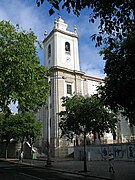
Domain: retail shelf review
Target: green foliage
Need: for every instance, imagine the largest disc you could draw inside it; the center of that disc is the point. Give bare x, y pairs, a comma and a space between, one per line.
85, 115
21, 76
27, 126
2, 116
119, 91
7, 126
116, 17
20, 127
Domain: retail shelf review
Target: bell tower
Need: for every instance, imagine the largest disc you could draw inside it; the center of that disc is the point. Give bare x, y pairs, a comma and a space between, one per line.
61, 47
61, 57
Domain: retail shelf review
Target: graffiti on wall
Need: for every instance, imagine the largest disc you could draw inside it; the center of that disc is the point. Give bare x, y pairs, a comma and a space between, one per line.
131, 151
101, 152
104, 152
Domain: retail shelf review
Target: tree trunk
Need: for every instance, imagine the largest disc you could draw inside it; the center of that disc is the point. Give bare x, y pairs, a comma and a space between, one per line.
6, 151
85, 158
22, 142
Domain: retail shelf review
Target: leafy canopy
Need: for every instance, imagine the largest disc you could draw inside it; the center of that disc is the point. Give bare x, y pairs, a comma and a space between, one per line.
116, 17
21, 76
20, 127
118, 90
85, 115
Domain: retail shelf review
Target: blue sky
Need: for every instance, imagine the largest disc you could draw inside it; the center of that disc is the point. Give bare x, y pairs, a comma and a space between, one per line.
28, 15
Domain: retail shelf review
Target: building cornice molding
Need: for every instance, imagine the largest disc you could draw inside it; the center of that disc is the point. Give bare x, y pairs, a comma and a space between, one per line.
56, 68
72, 34
77, 73
93, 78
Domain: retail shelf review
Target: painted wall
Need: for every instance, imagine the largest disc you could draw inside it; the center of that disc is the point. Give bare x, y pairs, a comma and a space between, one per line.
101, 152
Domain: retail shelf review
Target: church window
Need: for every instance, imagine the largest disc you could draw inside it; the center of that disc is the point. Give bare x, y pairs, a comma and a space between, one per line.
67, 47
49, 50
69, 89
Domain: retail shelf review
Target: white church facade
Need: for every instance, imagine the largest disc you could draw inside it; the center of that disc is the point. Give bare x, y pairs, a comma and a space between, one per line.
61, 57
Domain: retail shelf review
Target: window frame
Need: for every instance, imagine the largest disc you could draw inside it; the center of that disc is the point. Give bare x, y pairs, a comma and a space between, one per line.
67, 46
69, 89
49, 50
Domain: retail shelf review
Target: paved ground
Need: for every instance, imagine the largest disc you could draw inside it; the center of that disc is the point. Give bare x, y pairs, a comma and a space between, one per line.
124, 170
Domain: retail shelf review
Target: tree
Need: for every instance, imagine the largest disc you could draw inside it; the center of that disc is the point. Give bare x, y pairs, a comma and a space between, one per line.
27, 127
22, 79
1, 123
7, 130
20, 127
118, 90
83, 115
116, 21
116, 17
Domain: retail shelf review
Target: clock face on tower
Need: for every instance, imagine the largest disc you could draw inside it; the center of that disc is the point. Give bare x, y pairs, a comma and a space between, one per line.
68, 59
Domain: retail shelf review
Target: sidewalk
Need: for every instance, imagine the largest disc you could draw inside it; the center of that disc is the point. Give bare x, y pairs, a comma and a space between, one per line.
124, 170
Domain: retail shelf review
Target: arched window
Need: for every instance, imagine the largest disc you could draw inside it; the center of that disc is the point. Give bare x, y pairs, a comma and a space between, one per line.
49, 50
67, 47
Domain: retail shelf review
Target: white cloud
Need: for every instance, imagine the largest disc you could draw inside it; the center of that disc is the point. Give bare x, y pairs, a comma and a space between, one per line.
92, 71
91, 62
26, 15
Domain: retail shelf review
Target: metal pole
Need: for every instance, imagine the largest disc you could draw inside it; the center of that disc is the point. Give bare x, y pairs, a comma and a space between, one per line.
48, 162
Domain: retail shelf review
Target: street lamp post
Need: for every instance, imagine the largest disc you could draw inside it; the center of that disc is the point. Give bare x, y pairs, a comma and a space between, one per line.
48, 162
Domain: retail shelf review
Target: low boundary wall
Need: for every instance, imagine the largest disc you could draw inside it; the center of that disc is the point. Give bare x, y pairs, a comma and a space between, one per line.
101, 152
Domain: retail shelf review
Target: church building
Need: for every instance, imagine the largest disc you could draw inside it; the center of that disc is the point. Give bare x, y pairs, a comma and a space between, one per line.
61, 57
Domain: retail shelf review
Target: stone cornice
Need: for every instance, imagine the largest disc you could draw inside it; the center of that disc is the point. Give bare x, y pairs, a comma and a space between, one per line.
74, 72
60, 31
